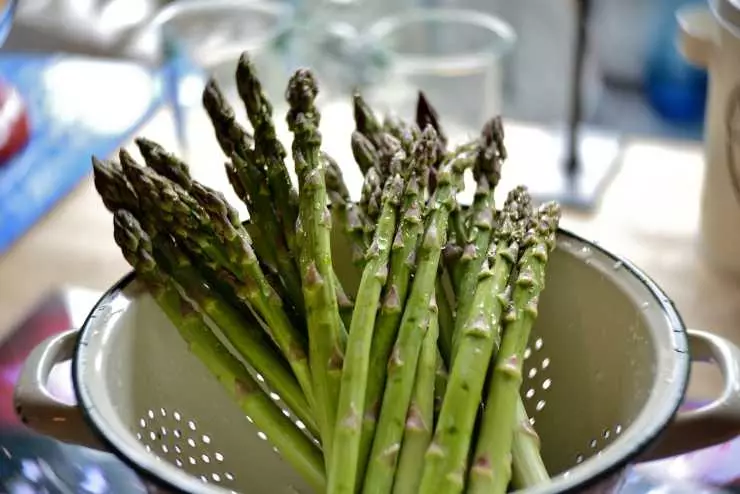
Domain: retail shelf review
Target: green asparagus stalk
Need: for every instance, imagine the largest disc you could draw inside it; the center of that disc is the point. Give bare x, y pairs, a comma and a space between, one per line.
405, 132
164, 163
246, 178
420, 417
493, 450
487, 173
364, 151
426, 115
269, 229
343, 465
268, 148
366, 122
440, 385
345, 213
326, 345
528, 469
446, 459
297, 449
446, 317
402, 263
115, 191
246, 339
235, 252
252, 183
402, 365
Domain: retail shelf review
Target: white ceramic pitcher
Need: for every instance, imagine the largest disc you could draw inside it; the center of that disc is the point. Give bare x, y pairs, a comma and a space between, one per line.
710, 37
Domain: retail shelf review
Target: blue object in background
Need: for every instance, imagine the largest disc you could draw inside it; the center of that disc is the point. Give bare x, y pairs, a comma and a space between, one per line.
676, 90
78, 107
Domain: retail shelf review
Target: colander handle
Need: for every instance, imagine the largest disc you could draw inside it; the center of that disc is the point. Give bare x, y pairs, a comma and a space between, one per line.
41, 410
716, 422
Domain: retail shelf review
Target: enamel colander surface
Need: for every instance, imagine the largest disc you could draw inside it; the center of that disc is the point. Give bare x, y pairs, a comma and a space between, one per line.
605, 371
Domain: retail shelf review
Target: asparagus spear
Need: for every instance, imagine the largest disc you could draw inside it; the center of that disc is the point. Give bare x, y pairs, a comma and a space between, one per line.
268, 148
487, 172
166, 164
405, 132
370, 196
404, 358
528, 469
366, 122
364, 151
292, 444
402, 263
493, 450
326, 346
248, 340
426, 114
345, 213
247, 180
234, 251
265, 222
446, 459
420, 417
343, 465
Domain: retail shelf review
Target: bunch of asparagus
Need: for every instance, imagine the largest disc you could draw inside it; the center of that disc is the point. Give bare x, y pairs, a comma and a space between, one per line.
412, 383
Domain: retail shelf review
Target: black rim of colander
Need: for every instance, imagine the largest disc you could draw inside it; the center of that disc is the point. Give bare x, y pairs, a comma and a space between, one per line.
666, 304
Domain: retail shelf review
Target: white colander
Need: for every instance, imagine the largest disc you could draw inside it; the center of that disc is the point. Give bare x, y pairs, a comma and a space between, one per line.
606, 370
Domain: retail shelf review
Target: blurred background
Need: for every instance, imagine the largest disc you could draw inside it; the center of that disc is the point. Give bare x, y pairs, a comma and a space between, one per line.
604, 112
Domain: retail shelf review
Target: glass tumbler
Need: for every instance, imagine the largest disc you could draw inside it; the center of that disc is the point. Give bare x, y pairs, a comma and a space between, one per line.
456, 57
204, 38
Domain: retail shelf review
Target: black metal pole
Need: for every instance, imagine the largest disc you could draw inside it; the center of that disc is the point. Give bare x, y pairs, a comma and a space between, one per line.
572, 162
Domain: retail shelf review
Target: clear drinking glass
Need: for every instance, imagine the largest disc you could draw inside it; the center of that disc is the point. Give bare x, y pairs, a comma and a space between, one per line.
455, 56
210, 35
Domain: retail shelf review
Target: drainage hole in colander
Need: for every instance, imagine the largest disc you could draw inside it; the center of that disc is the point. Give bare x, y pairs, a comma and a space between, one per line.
275, 396
540, 405
618, 429
191, 424
527, 353
206, 439
219, 457
592, 444
538, 344
579, 458
532, 372
204, 479
607, 433
249, 419
546, 383
216, 477
286, 412
260, 378
165, 449
262, 435
532, 420
206, 459
229, 476
191, 442
300, 425
545, 363
178, 462
177, 449
529, 394
176, 416
192, 460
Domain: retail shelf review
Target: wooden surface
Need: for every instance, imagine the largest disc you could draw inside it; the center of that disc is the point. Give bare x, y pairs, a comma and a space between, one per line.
649, 215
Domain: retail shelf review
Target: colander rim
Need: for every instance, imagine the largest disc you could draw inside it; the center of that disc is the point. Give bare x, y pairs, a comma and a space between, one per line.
673, 318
